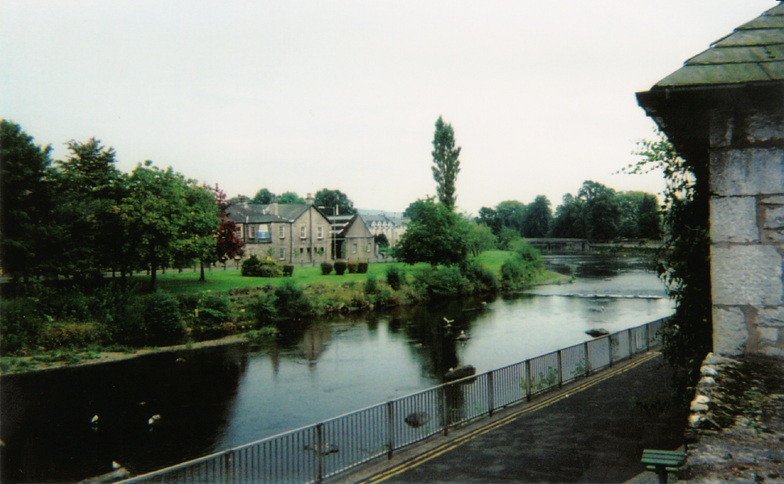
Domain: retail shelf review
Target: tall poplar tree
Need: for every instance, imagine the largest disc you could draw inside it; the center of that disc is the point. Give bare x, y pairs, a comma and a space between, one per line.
447, 163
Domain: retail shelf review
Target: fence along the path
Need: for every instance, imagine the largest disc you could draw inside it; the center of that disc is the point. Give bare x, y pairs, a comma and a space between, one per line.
315, 452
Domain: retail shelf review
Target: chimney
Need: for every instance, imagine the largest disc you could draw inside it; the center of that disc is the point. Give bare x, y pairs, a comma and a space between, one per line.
310, 199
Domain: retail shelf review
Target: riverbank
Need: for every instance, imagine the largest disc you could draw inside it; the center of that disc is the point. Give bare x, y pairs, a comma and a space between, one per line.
58, 359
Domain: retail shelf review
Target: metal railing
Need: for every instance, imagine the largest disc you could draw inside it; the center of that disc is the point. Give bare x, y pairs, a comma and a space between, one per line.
316, 452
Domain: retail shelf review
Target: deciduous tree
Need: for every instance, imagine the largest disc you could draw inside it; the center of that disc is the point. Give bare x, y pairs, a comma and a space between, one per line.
27, 230
435, 235
290, 198
263, 197
335, 201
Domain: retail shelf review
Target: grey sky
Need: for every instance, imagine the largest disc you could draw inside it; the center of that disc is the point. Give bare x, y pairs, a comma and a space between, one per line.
305, 95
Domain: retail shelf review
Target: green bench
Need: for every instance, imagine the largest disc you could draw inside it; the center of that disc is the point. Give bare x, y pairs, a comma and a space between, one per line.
663, 461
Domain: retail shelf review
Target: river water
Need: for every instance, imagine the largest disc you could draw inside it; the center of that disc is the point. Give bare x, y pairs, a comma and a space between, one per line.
218, 398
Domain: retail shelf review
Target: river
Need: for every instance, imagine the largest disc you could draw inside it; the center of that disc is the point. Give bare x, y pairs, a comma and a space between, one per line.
217, 398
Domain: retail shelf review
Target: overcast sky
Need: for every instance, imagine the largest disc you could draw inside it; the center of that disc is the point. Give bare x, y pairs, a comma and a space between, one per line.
304, 95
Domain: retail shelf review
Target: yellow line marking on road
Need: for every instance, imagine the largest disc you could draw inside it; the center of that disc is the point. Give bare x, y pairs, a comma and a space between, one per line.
446, 447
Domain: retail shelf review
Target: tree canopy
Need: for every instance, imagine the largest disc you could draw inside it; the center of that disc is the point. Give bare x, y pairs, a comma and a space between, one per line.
435, 235
290, 198
335, 202
446, 163
262, 197
26, 191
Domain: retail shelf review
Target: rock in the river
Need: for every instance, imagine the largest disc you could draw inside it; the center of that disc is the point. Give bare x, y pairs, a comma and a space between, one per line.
461, 371
596, 332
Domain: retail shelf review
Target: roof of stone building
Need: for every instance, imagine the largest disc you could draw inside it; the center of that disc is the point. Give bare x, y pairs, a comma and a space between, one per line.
266, 213
752, 53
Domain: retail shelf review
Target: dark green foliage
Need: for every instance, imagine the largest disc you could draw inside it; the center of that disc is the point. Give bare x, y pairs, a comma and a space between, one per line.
442, 281
335, 202
291, 301
396, 277
288, 270
251, 267
263, 197
436, 236
255, 267
482, 278
264, 309
362, 267
340, 267
352, 267
537, 218
446, 163
688, 337
162, 314
371, 286
19, 323
26, 202
213, 309
326, 268
525, 263
381, 241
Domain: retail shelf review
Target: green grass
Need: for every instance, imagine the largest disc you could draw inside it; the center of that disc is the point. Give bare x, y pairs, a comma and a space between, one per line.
219, 280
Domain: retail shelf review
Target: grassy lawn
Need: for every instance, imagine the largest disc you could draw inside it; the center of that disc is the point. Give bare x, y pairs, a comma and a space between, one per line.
219, 280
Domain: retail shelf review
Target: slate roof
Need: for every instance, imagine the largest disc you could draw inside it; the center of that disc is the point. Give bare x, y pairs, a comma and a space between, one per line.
263, 213
753, 53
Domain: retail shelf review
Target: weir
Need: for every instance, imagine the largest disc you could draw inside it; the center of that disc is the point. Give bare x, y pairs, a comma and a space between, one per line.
326, 449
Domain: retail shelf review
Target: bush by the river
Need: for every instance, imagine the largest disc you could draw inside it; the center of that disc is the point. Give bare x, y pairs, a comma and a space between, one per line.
162, 314
524, 264
396, 277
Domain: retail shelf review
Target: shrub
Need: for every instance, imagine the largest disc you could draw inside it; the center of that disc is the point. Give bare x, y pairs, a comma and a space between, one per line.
291, 301
266, 271
288, 270
19, 323
371, 286
214, 308
251, 267
396, 277
162, 314
442, 282
480, 276
264, 309
340, 267
326, 268
362, 267
352, 267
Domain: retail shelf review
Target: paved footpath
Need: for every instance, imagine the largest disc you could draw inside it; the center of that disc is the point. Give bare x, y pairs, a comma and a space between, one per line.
591, 431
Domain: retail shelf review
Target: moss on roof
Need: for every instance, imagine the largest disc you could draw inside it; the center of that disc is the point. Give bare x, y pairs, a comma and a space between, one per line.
754, 52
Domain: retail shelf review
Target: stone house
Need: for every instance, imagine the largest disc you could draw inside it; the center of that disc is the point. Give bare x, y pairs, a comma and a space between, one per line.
291, 233
352, 239
724, 112
392, 227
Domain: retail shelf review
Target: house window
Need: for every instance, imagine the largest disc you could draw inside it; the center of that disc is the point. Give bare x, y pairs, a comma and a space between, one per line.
282, 232
367, 248
251, 231
303, 232
282, 254
355, 248
239, 232
321, 232
264, 233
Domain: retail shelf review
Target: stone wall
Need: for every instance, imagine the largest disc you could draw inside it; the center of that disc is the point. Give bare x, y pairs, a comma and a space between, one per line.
747, 231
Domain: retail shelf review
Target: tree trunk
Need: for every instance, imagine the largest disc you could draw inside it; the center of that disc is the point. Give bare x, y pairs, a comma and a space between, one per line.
201, 264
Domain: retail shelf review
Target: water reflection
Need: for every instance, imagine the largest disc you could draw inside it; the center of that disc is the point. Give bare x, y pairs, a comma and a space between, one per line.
224, 397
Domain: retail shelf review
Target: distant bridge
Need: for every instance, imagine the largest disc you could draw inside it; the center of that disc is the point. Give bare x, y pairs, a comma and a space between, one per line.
548, 244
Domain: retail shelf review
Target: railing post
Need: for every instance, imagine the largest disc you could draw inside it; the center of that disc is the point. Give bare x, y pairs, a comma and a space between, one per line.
490, 391
390, 428
320, 451
560, 369
631, 348
648, 337
445, 405
528, 380
587, 360
609, 348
